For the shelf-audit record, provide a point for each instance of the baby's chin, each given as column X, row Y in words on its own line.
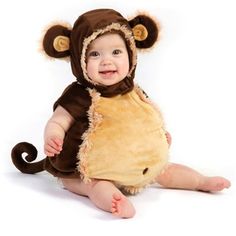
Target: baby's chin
column 108, row 84
column 109, row 81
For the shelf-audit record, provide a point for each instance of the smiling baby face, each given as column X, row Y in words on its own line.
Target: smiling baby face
column 107, row 59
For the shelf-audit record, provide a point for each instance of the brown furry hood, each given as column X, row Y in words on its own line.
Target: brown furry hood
column 61, row 41
column 87, row 28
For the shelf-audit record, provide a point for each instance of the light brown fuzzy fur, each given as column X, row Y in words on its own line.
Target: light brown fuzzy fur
column 94, row 120
column 119, row 146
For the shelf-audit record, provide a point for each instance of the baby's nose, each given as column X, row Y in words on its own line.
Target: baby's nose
column 106, row 60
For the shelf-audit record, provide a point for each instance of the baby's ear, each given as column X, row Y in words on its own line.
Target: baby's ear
column 145, row 29
column 56, row 41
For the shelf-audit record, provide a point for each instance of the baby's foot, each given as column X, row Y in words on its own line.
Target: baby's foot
column 121, row 206
column 213, row 184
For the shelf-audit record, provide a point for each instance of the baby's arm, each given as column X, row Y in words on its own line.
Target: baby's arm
column 55, row 131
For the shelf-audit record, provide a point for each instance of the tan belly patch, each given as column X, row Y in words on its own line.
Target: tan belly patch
column 125, row 143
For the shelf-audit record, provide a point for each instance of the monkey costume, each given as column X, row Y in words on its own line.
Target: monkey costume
column 118, row 135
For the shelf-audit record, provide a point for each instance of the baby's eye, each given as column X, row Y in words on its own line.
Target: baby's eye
column 93, row 54
column 116, row 52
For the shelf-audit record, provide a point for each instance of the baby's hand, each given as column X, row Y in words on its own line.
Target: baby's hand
column 168, row 137
column 52, row 146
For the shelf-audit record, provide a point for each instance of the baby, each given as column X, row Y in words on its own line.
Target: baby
column 105, row 137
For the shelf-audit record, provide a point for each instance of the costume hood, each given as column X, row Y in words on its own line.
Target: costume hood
column 87, row 28
column 61, row 41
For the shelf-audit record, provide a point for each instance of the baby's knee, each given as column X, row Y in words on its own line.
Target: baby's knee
column 165, row 176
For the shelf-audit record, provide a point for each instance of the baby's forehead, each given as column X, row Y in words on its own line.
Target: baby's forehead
column 107, row 40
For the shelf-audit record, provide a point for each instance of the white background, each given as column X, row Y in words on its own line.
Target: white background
column 190, row 74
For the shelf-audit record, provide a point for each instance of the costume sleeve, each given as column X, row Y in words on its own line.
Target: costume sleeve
column 75, row 99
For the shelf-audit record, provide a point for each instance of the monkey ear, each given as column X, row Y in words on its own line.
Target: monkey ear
column 56, row 41
column 145, row 30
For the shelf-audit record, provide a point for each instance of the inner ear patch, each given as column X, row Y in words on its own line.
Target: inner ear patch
column 61, row 43
column 140, row 32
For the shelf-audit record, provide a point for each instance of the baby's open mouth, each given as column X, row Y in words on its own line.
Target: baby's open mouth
column 107, row 72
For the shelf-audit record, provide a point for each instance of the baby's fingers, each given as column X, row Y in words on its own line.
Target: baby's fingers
column 49, row 154
column 50, row 151
column 51, row 143
column 57, row 143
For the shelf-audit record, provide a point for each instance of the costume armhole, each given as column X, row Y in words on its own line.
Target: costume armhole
column 75, row 100
column 144, row 97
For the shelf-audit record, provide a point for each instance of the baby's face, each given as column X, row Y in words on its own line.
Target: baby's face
column 107, row 59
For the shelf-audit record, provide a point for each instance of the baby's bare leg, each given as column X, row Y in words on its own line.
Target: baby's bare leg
column 183, row 177
column 103, row 194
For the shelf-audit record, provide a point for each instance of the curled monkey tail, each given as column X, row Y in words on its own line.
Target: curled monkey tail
column 31, row 154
